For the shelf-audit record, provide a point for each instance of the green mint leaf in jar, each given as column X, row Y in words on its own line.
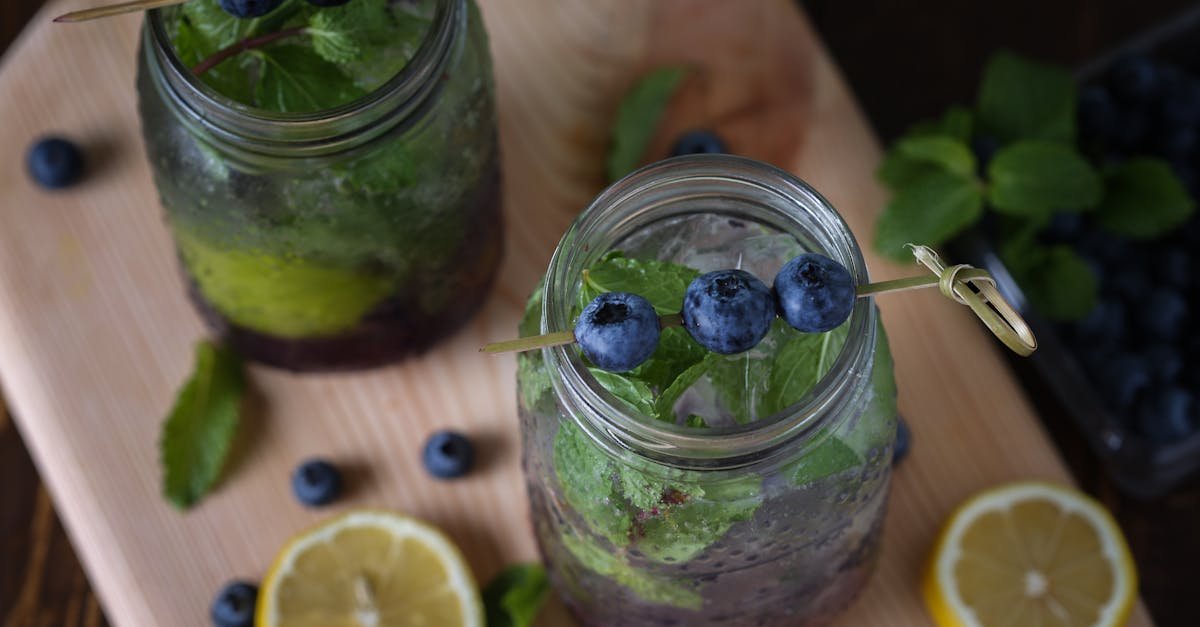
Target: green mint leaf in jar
column 1143, row 199
column 1035, row 178
column 295, row 79
column 199, row 431
column 343, row 33
column 931, row 210
column 1023, row 99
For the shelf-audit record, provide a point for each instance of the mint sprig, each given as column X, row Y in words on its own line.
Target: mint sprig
column 637, row 118
column 1028, row 109
column 199, row 431
column 515, row 596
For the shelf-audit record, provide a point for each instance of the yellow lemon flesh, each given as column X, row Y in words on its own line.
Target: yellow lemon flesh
column 1033, row 554
column 370, row 569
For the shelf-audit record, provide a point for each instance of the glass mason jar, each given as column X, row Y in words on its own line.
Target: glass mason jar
column 644, row 522
column 338, row 239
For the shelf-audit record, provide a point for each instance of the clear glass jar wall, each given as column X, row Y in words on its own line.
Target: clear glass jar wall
column 343, row 238
column 773, row 522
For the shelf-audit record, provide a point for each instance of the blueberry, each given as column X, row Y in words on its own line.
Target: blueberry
column 1103, row 246
column 1175, row 142
column 698, row 142
column 617, row 331
column 1132, row 130
column 1165, row 361
column 1064, row 227
column 1123, row 379
column 1135, row 79
column 1162, row 314
column 728, row 311
column 1180, row 101
column 234, row 605
column 328, row 3
column 55, row 162
column 903, row 441
column 1174, row 266
column 1105, row 322
column 316, row 482
column 814, row 293
column 249, row 8
column 1166, row 416
column 448, row 455
column 1128, row 283
column 1097, row 112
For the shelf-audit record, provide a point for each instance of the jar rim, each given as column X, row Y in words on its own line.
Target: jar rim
column 248, row 130
column 608, row 219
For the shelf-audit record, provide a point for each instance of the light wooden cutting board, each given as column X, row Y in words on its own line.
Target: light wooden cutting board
column 95, row 333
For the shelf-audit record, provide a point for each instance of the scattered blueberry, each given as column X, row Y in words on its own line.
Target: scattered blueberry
column 234, row 605
column 448, row 455
column 55, row 162
column 698, row 142
column 903, row 441
column 1105, row 322
column 1064, row 227
column 728, row 311
column 1132, row 130
column 1129, row 282
column 1123, row 379
column 1174, row 266
column 328, row 3
column 617, row 331
column 1163, row 314
column 1135, row 79
column 1167, row 415
column 1098, row 114
column 316, row 482
column 249, row 8
column 814, row 293
column 1165, row 361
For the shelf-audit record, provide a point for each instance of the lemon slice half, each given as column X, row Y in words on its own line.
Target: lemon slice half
column 1030, row 553
column 370, row 568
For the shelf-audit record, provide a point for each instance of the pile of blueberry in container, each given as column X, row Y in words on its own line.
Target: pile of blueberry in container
column 1138, row 345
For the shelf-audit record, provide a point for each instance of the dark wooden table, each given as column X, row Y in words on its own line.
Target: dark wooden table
column 906, row 61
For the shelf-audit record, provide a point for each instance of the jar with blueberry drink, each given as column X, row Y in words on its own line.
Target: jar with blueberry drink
column 329, row 170
column 715, row 449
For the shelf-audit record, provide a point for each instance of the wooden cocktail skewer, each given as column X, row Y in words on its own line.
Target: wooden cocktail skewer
column 955, row 282
column 115, row 9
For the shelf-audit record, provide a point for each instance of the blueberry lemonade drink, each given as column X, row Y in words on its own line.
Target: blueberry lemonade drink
column 728, row 465
column 329, row 170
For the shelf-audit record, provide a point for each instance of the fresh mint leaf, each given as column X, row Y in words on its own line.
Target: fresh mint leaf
column 675, row 353
column 1035, row 178
column 1023, row 99
column 677, row 533
column 635, row 392
column 664, row 405
column 1057, row 281
column 1143, row 199
column 586, row 478
column 741, row 380
column 660, row 282
column 295, row 79
column 340, row 34
column 214, row 26
column 946, row 153
column 956, row 123
column 637, row 119
column 515, row 596
column 830, row 457
column 799, row 362
column 695, row 422
column 674, row 592
column 533, row 377
column 930, row 210
column 199, row 431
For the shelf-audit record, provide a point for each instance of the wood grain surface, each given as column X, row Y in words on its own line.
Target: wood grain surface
column 827, row 105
